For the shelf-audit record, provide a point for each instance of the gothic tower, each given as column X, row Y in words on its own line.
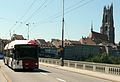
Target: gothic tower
column 107, row 27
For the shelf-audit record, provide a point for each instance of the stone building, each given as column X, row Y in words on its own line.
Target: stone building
column 107, row 27
column 3, row 42
column 17, row 37
column 57, row 43
column 106, row 37
column 107, row 30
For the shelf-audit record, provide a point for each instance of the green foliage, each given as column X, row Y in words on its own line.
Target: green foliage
column 104, row 58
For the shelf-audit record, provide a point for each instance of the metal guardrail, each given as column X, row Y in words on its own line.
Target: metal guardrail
column 97, row 67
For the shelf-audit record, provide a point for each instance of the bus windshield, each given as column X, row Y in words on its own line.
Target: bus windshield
column 26, row 52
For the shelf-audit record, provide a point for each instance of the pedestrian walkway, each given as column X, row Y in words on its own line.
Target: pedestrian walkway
column 113, row 78
column 2, row 78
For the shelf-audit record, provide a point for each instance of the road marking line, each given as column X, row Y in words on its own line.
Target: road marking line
column 44, row 73
column 61, row 80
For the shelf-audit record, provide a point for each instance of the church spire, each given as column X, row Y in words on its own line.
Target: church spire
column 107, row 27
column 111, row 7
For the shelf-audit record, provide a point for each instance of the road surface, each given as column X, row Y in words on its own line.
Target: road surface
column 46, row 74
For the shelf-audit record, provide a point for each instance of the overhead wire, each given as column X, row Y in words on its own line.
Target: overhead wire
column 43, row 5
column 28, row 10
column 58, row 14
column 73, row 9
column 42, row 12
column 40, row 7
column 19, row 21
column 70, row 9
column 24, row 23
column 37, row 10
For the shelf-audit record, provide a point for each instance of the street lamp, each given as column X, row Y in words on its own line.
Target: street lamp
column 28, row 31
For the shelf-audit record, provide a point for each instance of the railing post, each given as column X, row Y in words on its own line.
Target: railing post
column 75, row 65
column 106, row 69
column 94, row 68
column 68, row 63
column 56, row 63
column 52, row 61
column 83, row 66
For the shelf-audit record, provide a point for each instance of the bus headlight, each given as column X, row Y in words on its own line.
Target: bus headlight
column 36, row 63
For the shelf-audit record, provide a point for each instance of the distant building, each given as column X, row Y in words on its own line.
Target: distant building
column 42, row 42
column 81, row 51
column 3, row 42
column 17, row 37
column 57, row 43
column 96, row 42
column 106, row 37
column 106, row 34
column 47, row 49
column 87, row 41
column 107, row 27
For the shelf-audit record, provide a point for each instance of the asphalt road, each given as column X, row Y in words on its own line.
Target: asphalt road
column 46, row 74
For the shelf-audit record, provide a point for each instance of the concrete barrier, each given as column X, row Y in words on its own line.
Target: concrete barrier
column 97, row 67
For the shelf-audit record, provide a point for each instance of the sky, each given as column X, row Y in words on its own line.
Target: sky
column 45, row 18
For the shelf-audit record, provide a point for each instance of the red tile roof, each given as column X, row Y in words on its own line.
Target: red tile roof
column 87, row 41
column 98, row 36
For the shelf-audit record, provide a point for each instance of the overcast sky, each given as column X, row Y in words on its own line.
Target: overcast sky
column 44, row 18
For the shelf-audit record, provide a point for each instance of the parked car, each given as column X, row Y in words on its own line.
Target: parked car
column 1, row 56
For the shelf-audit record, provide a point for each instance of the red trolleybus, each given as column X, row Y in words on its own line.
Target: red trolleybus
column 22, row 54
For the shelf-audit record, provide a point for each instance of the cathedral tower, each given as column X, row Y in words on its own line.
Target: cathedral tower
column 107, row 27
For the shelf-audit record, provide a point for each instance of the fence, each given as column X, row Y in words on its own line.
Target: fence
column 97, row 67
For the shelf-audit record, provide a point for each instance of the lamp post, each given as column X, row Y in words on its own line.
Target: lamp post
column 62, row 50
column 28, row 31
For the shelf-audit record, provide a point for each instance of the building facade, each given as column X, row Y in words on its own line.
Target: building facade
column 80, row 52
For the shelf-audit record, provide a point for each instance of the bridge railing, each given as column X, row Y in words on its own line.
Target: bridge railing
column 97, row 67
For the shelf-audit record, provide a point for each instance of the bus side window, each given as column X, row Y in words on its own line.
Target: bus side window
column 39, row 50
column 13, row 51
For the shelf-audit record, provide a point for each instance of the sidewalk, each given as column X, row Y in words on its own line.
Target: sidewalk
column 113, row 78
column 2, row 78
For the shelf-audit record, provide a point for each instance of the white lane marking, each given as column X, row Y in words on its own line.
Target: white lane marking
column 61, row 80
column 44, row 73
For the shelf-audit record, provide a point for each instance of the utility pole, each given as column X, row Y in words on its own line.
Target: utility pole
column 62, row 50
column 10, row 34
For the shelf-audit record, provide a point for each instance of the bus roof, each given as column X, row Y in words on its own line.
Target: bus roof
column 18, row 42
